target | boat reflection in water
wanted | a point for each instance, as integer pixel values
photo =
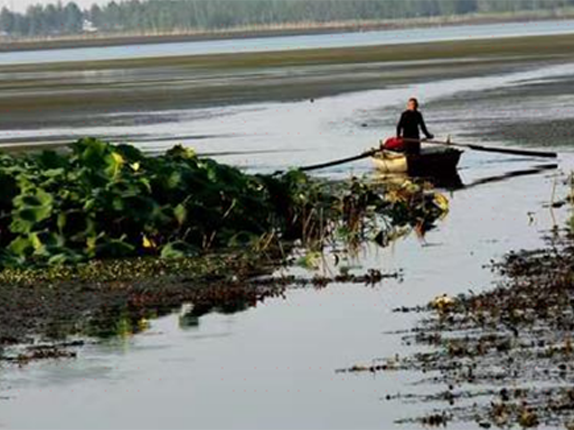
(451, 181)
(512, 174)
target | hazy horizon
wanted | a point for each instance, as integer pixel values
(21, 5)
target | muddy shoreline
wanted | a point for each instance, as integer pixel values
(37, 307)
(44, 319)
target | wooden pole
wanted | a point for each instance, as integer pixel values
(365, 154)
(510, 151)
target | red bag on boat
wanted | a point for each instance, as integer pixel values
(394, 144)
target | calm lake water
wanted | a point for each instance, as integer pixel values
(273, 366)
(416, 35)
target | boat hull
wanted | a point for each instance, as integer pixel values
(430, 162)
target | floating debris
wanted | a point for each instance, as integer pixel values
(37, 353)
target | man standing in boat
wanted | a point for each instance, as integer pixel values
(408, 127)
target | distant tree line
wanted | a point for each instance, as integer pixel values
(167, 15)
(43, 20)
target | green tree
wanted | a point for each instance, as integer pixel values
(96, 16)
(74, 19)
(53, 18)
(7, 21)
(35, 16)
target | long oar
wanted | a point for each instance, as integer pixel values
(499, 150)
(365, 154)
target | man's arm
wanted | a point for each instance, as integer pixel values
(424, 127)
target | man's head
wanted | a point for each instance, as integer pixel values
(413, 104)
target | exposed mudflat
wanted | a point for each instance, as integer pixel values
(109, 92)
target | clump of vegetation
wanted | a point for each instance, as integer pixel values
(101, 238)
(100, 201)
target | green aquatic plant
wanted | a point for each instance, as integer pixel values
(105, 201)
(102, 201)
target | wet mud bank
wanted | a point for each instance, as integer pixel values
(533, 110)
(112, 298)
(117, 92)
(44, 319)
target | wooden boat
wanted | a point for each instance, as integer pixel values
(432, 161)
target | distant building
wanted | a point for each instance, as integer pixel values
(89, 27)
